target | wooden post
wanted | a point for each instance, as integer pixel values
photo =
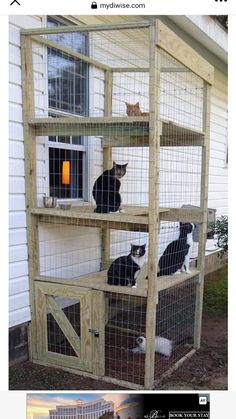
(203, 204)
(30, 178)
(154, 150)
(107, 162)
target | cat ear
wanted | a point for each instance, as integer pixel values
(125, 164)
(114, 164)
(137, 104)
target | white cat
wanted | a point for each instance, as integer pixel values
(162, 345)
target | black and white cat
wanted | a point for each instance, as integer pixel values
(162, 345)
(123, 270)
(177, 254)
(106, 189)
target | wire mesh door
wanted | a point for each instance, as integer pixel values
(67, 330)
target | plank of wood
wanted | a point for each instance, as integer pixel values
(98, 281)
(153, 221)
(119, 131)
(107, 160)
(203, 205)
(69, 52)
(85, 28)
(64, 324)
(98, 323)
(40, 323)
(30, 179)
(182, 52)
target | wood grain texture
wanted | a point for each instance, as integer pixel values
(181, 51)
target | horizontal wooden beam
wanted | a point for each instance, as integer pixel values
(194, 215)
(93, 126)
(98, 281)
(130, 69)
(183, 53)
(118, 131)
(147, 69)
(134, 219)
(86, 28)
(70, 52)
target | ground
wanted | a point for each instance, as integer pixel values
(206, 369)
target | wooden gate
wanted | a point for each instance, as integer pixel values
(70, 327)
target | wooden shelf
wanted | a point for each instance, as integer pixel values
(98, 281)
(133, 219)
(118, 131)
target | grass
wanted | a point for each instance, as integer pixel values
(215, 292)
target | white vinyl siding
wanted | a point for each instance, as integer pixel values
(19, 310)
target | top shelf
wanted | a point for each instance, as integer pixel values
(118, 131)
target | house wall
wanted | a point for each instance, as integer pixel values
(19, 310)
(68, 252)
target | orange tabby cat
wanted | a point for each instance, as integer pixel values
(134, 110)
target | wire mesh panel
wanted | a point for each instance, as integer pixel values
(175, 322)
(125, 321)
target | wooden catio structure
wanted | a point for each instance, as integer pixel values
(79, 322)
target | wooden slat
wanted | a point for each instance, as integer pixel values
(85, 28)
(93, 126)
(204, 205)
(63, 361)
(181, 51)
(119, 131)
(30, 179)
(155, 127)
(64, 324)
(176, 365)
(194, 215)
(107, 160)
(70, 52)
(98, 322)
(40, 322)
(133, 220)
(98, 281)
(183, 140)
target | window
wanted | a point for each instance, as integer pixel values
(67, 95)
(67, 76)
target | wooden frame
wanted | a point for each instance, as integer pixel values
(148, 131)
(89, 349)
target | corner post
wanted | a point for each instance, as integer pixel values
(203, 205)
(30, 179)
(154, 156)
(107, 161)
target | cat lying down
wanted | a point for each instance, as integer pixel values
(162, 345)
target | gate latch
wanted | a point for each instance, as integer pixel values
(95, 332)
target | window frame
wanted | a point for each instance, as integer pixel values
(61, 113)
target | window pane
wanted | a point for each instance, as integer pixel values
(68, 76)
(75, 187)
(77, 140)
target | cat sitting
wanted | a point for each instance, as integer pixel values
(177, 254)
(123, 270)
(162, 345)
(134, 110)
(106, 189)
